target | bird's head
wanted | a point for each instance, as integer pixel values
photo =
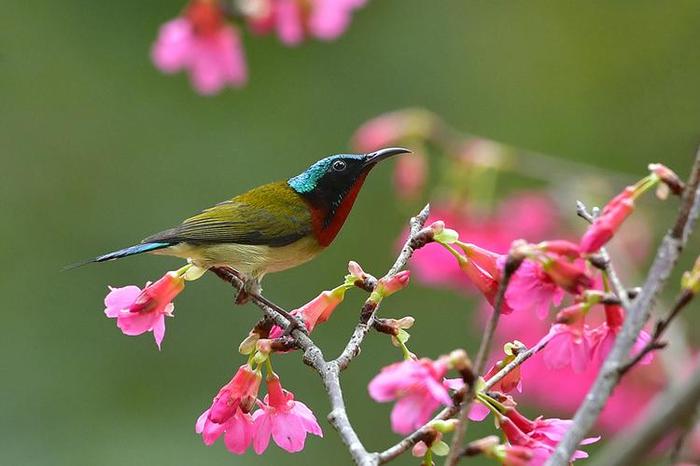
(331, 185)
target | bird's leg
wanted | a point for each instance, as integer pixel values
(295, 323)
(251, 287)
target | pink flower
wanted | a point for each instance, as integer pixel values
(417, 385)
(514, 455)
(604, 226)
(549, 431)
(138, 311)
(238, 431)
(316, 311)
(508, 383)
(517, 437)
(531, 290)
(294, 19)
(229, 411)
(571, 276)
(477, 411)
(286, 420)
(603, 337)
(410, 175)
(202, 43)
(525, 216)
(387, 287)
(568, 343)
(485, 283)
(637, 388)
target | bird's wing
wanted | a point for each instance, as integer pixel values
(272, 214)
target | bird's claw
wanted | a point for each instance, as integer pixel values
(295, 323)
(242, 297)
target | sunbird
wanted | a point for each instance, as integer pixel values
(270, 228)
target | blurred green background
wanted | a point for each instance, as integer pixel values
(99, 150)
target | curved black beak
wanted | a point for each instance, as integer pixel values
(383, 154)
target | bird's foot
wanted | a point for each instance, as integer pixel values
(243, 297)
(250, 288)
(295, 323)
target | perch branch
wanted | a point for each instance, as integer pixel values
(609, 375)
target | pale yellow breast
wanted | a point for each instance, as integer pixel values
(252, 260)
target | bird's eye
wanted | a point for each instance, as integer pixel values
(339, 166)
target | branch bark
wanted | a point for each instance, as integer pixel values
(511, 266)
(329, 371)
(609, 375)
(673, 408)
(408, 442)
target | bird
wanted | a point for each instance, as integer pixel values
(270, 228)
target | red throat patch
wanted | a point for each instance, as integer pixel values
(326, 234)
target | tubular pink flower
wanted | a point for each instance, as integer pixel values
(568, 342)
(286, 420)
(238, 431)
(484, 282)
(549, 431)
(607, 223)
(316, 311)
(138, 311)
(293, 20)
(240, 393)
(202, 43)
(410, 175)
(418, 387)
(571, 276)
(393, 284)
(228, 413)
(531, 289)
(330, 18)
(512, 380)
(517, 437)
(603, 337)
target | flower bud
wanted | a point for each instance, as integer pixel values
(249, 343)
(568, 275)
(561, 247)
(441, 234)
(691, 279)
(668, 177)
(388, 286)
(410, 175)
(608, 222)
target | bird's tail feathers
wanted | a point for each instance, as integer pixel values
(130, 251)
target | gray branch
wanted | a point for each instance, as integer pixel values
(609, 375)
(509, 269)
(673, 408)
(406, 443)
(329, 371)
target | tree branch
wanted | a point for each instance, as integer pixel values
(609, 375)
(617, 286)
(509, 269)
(406, 443)
(680, 303)
(329, 371)
(675, 407)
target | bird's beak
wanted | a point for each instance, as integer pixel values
(373, 158)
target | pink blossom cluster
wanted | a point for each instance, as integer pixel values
(554, 273)
(205, 40)
(279, 415)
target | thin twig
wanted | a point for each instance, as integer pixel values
(329, 371)
(617, 286)
(352, 348)
(609, 375)
(407, 442)
(674, 407)
(510, 268)
(680, 303)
